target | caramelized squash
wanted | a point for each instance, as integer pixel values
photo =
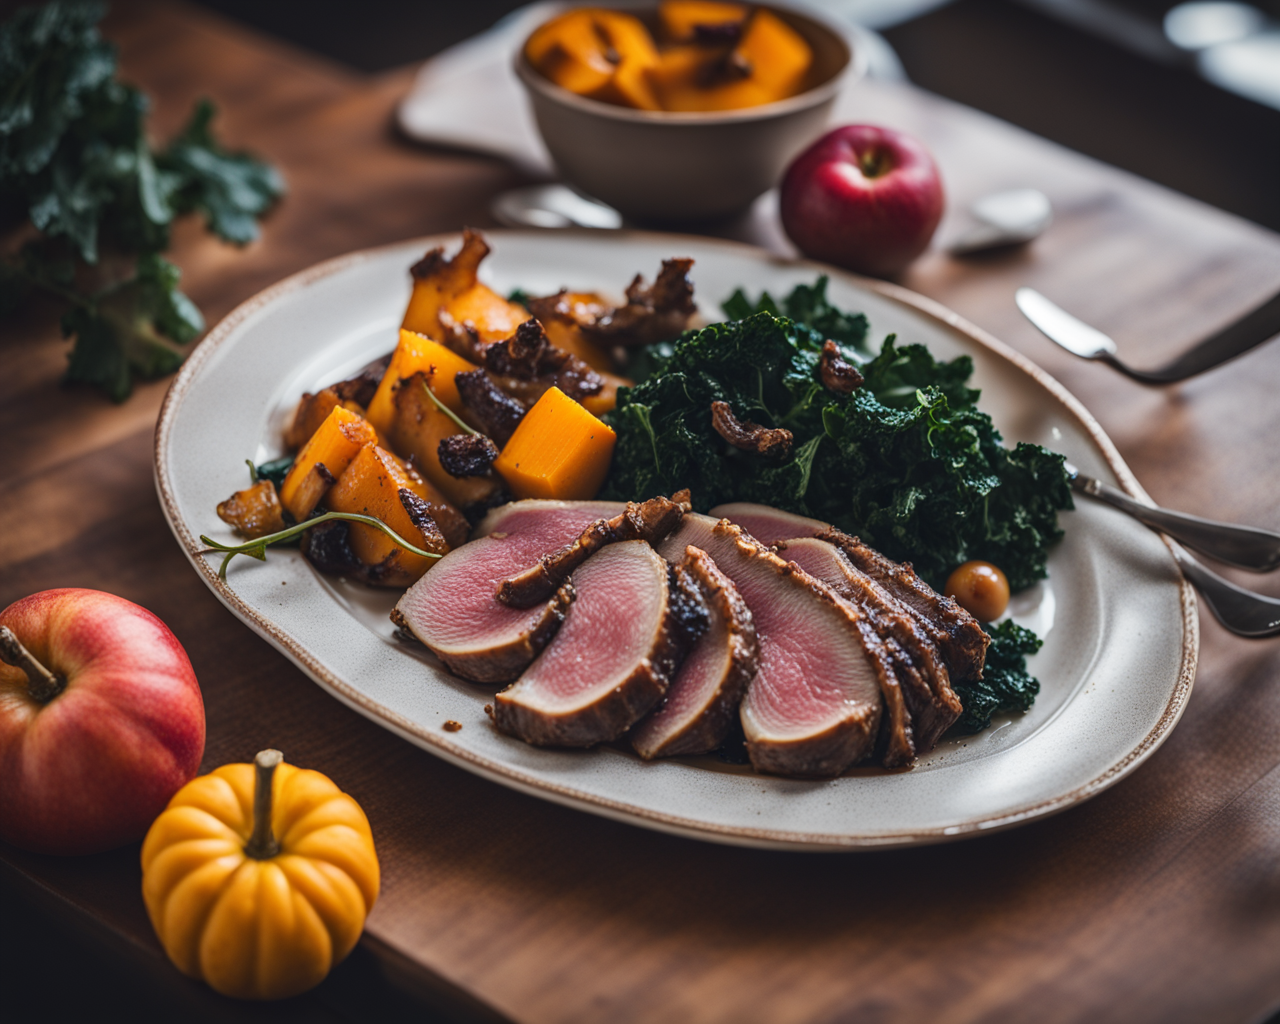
(598, 53)
(451, 287)
(313, 410)
(323, 459)
(452, 523)
(374, 484)
(680, 21)
(253, 512)
(559, 450)
(417, 354)
(417, 429)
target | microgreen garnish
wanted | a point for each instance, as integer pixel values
(447, 411)
(257, 548)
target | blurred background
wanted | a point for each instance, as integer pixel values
(1184, 94)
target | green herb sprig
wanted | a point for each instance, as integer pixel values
(257, 548)
(98, 201)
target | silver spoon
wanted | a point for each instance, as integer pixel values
(1243, 546)
(553, 206)
(1078, 338)
(1241, 611)
(1013, 217)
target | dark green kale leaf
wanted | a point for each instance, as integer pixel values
(907, 461)
(75, 162)
(1006, 685)
(807, 305)
(275, 470)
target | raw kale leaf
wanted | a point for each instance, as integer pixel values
(75, 162)
(907, 461)
(1006, 685)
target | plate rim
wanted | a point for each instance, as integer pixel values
(572, 797)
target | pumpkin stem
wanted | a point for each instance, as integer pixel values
(262, 845)
(42, 684)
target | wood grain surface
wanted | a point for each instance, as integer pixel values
(1157, 901)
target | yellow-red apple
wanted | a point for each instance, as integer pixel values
(101, 721)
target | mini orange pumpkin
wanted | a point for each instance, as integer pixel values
(258, 877)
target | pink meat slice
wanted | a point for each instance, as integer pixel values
(814, 706)
(453, 609)
(699, 708)
(612, 660)
(955, 632)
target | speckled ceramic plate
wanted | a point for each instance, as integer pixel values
(1119, 623)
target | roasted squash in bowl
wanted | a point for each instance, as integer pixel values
(681, 165)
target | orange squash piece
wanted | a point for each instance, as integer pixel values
(451, 286)
(417, 354)
(559, 450)
(323, 459)
(452, 523)
(417, 430)
(679, 19)
(253, 512)
(598, 53)
(371, 486)
(768, 64)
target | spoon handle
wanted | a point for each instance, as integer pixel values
(1242, 546)
(1241, 611)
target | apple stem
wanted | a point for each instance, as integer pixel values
(42, 684)
(262, 845)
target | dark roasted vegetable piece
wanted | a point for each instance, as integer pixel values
(650, 521)
(254, 512)
(652, 314)
(835, 372)
(496, 412)
(362, 387)
(464, 455)
(772, 443)
(527, 364)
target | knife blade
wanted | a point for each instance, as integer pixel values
(1059, 326)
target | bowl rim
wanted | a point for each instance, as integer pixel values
(853, 69)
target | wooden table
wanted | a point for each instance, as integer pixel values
(1157, 901)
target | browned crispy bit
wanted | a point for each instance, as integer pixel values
(771, 442)
(723, 33)
(650, 521)
(361, 388)
(254, 512)
(836, 373)
(496, 412)
(527, 364)
(463, 339)
(659, 312)
(420, 514)
(463, 455)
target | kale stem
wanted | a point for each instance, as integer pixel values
(447, 411)
(257, 548)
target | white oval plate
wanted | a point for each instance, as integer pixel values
(1119, 623)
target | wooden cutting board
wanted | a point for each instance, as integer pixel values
(1159, 900)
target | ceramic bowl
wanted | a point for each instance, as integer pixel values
(679, 168)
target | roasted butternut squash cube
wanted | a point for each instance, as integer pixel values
(769, 63)
(253, 512)
(417, 354)
(417, 430)
(559, 450)
(598, 53)
(323, 459)
(680, 20)
(451, 286)
(375, 484)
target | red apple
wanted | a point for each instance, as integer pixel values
(864, 198)
(101, 721)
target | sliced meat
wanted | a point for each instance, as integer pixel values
(922, 675)
(814, 706)
(702, 703)
(453, 611)
(612, 660)
(649, 521)
(956, 633)
(768, 525)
